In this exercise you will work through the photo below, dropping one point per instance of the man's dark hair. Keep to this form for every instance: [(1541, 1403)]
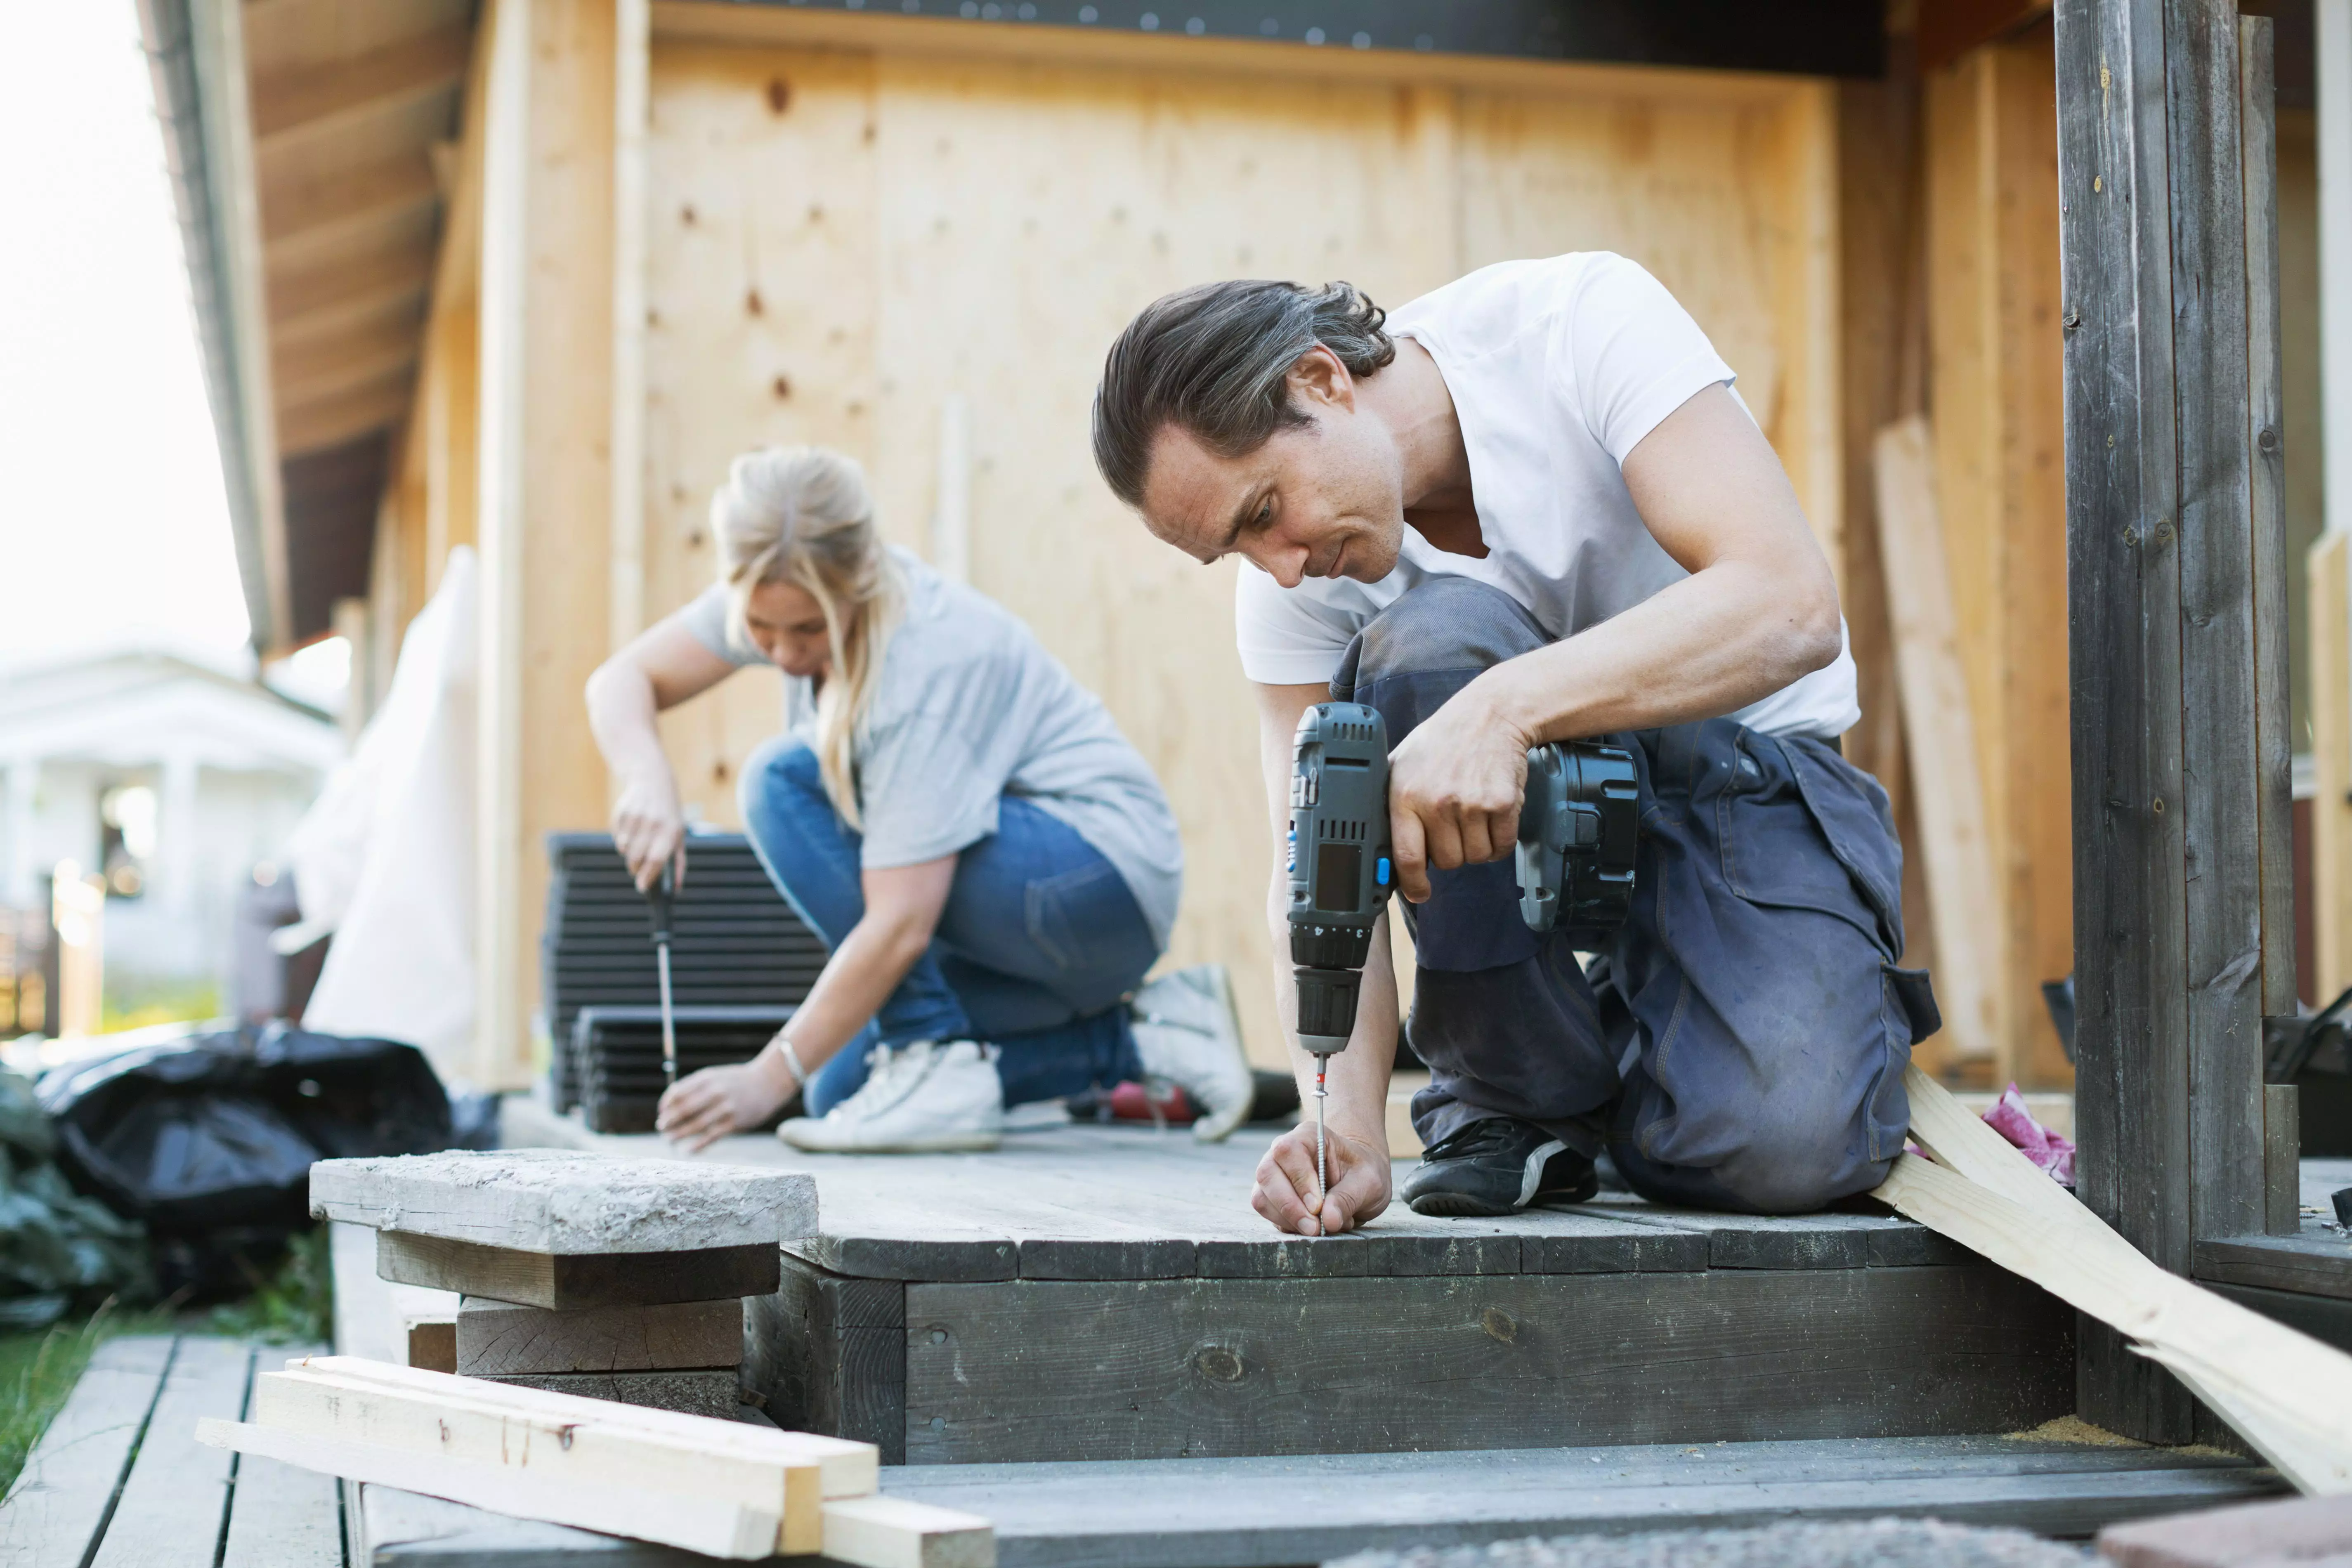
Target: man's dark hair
[(1212, 360)]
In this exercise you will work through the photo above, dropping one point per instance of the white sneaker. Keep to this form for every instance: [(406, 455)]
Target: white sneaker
[(924, 1097), (1187, 1032)]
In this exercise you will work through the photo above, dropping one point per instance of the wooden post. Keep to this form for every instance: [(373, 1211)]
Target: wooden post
[(2169, 906), (546, 344), (2274, 713)]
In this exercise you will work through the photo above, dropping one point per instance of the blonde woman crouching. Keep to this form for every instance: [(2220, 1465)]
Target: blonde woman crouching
[(992, 866)]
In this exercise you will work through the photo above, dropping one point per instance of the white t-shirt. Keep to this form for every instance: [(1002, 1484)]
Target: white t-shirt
[(1557, 369)]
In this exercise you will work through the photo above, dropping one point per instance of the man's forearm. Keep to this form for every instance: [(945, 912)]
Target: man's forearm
[(1697, 649)]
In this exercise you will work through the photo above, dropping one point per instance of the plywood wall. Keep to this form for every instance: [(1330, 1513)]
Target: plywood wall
[(1996, 383), (839, 242)]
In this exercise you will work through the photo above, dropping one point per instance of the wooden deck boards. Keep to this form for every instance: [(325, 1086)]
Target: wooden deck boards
[(1106, 1292), (118, 1480)]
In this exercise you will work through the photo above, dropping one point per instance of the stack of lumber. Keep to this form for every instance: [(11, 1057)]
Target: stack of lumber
[(2289, 1395), (725, 1489), (613, 1279), (616, 1054), (734, 941)]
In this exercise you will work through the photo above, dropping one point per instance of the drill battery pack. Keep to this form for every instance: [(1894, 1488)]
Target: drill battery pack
[(1577, 836)]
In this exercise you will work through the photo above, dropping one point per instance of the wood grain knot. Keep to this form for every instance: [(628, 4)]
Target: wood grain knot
[(2267, 440), (1220, 1362), (1499, 1325)]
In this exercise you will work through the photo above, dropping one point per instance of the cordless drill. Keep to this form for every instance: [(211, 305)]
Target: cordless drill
[(1575, 856)]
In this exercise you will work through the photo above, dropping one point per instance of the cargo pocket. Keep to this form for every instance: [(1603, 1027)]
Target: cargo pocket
[(1907, 1007), (1061, 913), (1782, 810)]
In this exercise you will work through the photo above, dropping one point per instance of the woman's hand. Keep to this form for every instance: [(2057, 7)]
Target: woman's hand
[(699, 1110), (1455, 785), (649, 827), (1286, 1195)]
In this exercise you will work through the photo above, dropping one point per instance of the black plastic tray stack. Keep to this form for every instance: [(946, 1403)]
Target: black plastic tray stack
[(618, 1055), (734, 943)]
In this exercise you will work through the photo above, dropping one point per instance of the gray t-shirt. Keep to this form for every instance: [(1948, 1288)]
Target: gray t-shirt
[(969, 707)]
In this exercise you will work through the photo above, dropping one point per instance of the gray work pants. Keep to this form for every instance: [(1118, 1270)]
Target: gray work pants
[(1741, 1045)]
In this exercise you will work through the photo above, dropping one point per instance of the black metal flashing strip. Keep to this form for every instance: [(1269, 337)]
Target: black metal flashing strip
[(1809, 38)]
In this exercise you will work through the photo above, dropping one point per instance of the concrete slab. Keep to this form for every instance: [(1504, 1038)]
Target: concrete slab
[(562, 1203)]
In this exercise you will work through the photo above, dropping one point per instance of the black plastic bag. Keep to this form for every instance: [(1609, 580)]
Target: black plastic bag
[(56, 1246), (208, 1141)]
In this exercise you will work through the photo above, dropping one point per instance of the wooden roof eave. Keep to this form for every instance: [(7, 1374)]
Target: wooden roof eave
[(196, 57)]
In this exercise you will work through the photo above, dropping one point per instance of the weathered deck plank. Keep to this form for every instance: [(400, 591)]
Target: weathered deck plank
[(67, 1487), (279, 1516), (1164, 1369), (173, 1503)]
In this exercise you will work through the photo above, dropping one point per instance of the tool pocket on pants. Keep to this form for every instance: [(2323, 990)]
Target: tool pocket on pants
[(1800, 833), (1908, 1013), (1066, 913)]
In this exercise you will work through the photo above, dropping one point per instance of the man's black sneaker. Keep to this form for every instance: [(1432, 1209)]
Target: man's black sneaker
[(1496, 1166)]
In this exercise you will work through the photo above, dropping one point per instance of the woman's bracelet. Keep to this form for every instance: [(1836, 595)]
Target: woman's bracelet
[(791, 1058)]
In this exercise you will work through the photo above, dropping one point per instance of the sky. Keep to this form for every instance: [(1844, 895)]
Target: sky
[(112, 519)]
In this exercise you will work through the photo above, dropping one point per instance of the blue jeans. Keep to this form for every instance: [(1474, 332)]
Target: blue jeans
[(1740, 1044), (1036, 951)]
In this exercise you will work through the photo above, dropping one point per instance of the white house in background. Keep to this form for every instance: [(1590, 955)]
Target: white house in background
[(167, 767)]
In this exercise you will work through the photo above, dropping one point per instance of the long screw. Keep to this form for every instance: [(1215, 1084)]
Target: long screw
[(1322, 1171)]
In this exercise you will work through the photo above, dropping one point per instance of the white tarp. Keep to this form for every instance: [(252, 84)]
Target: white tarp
[(384, 859)]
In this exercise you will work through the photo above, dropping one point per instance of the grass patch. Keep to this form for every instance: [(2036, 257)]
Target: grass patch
[(38, 1370), (296, 1305), (133, 1002)]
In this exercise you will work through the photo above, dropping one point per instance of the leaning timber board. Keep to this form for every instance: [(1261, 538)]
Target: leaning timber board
[(1095, 1292)]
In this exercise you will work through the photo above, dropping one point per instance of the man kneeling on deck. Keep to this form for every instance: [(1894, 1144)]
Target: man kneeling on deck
[(1529, 507)]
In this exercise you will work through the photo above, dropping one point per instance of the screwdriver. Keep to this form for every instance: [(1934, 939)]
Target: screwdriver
[(657, 900)]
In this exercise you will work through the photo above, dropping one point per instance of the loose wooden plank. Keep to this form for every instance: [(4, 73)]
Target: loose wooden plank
[(281, 1516), (1037, 1370), (2281, 1391), (175, 1478), (843, 1468), (572, 1282), (892, 1532), (67, 1488), (1939, 732), (491, 1337), (2124, 593), (715, 1528)]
